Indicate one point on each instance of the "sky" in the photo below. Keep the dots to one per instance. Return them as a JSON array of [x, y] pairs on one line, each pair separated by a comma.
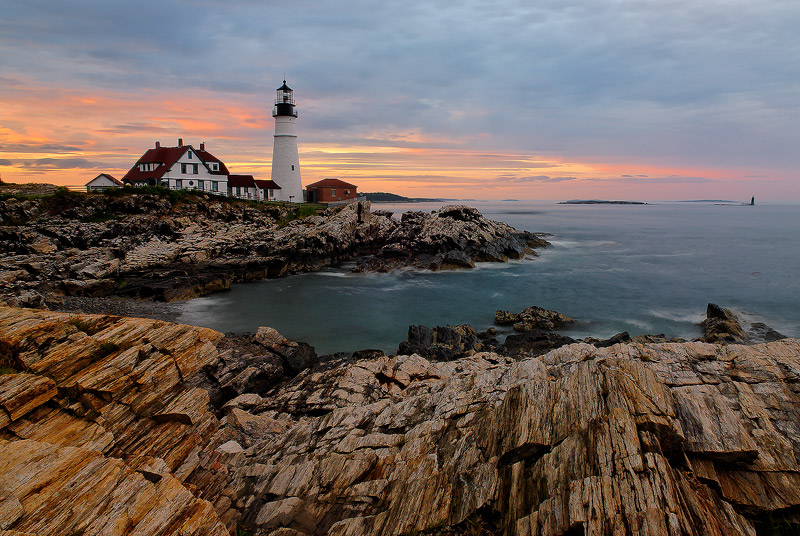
[[534, 99]]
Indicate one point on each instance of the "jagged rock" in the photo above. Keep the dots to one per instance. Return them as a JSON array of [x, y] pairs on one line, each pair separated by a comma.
[[252, 365], [98, 436], [406, 444], [532, 318], [614, 339], [142, 246], [644, 339], [296, 356], [442, 343], [650, 439], [722, 326], [531, 343], [763, 333]]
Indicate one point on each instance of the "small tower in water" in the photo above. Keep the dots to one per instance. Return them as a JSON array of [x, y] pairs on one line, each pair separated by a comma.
[[285, 161]]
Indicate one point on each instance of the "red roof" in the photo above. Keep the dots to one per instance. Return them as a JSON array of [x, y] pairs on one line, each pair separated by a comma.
[[266, 185], [166, 157], [246, 181], [331, 183]]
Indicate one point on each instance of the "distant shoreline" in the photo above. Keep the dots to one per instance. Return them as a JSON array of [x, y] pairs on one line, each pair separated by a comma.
[[385, 197], [600, 202]]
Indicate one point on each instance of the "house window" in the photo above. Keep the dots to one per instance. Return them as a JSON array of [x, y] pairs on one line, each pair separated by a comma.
[[194, 169], [214, 186], [200, 185], [270, 192], [238, 190], [183, 168], [191, 183], [178, 183], [347, 192], [333, 192], [189, 155]]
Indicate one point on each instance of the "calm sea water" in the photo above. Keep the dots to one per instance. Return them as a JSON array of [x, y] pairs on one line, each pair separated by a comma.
[[636, 268]]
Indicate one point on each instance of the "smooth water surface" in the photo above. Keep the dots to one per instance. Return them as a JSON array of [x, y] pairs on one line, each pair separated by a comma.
[[636, 268]]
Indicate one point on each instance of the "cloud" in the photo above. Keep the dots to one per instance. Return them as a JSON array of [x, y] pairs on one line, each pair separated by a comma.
[[534, 178], [672, 179], [38, 148], [134, 128], [63, 163], [584, 80], [5, 162]]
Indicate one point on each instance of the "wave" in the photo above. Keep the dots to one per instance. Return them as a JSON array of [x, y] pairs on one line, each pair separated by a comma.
[[683, 315]]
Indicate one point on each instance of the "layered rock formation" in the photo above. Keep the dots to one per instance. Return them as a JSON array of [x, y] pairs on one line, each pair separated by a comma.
[[103, 432], [146, 246], [98, 432]]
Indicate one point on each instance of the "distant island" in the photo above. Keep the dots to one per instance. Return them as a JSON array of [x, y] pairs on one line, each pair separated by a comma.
[[385, 197], [708, 201], [599, 202]]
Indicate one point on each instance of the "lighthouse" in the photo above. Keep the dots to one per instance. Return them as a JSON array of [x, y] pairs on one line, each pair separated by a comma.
[[285, 162]]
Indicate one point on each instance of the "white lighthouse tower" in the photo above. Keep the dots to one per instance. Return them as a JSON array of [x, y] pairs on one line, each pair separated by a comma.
[[285, 162]]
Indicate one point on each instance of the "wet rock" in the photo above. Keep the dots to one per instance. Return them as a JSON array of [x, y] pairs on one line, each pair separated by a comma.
[[533, 318], [442, 343], [295, 356], [722, 326], [760, 332], [532, 343], [614, 339]]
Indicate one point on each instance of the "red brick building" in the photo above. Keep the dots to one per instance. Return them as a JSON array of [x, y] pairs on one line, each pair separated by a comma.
[[329, 191]]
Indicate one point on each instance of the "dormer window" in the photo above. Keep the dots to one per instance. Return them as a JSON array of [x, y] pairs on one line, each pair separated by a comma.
[[214, 166]]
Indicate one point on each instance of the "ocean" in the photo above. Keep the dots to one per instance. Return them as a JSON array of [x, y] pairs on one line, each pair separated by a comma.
[[644, 269]]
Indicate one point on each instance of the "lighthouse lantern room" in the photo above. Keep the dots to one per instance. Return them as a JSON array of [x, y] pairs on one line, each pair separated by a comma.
[[285, 160]]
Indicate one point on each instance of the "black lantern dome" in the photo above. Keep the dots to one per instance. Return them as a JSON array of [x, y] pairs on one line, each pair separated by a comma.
[[284, 102]]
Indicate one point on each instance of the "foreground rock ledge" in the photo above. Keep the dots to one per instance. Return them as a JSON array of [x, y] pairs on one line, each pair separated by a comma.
[[102, 435]]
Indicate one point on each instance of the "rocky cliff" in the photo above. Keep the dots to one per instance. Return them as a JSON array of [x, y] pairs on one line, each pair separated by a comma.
[[157, 247], [103, 430]]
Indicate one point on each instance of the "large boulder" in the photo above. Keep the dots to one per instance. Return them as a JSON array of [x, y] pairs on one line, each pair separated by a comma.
[[722, 326], [442, 343]]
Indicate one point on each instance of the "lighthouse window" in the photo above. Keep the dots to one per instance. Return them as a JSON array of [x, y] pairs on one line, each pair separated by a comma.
[[292, 167]]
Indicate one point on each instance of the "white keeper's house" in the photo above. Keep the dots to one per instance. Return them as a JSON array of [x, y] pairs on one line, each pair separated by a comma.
[[184, 167], [179, 167]]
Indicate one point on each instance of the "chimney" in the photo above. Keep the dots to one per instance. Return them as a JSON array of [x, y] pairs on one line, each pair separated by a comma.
[[203, 146], [180, 142], [158, 145]]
